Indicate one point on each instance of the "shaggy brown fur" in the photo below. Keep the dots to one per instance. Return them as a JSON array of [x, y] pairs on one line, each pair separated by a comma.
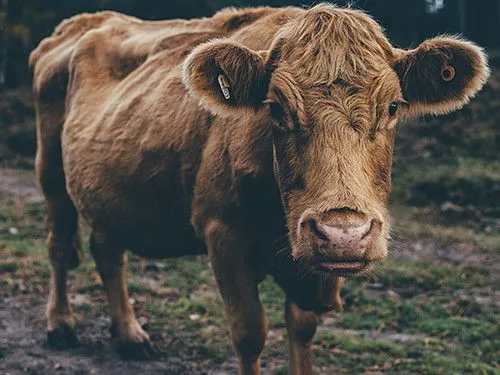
[[136, 136]]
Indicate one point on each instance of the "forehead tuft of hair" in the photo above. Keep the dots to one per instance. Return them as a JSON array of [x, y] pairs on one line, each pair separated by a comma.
[[326, 43]]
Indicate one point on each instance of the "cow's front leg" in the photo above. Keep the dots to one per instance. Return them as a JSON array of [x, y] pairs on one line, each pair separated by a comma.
[[238, 286], [301, 327], [133, 341]]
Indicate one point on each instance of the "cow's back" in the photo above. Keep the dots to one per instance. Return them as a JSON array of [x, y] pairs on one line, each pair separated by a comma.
[[50, 61], [132, 139]]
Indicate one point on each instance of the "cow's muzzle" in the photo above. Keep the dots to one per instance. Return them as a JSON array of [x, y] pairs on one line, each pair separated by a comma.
[[342, 240]]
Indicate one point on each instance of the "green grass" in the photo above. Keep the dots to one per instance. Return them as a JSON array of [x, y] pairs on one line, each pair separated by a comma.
[[414, 223]]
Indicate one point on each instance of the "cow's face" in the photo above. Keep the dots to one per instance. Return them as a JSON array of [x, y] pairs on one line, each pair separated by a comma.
[[332, 88]]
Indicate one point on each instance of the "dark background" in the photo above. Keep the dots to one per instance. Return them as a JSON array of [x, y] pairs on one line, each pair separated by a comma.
[[23, 23]]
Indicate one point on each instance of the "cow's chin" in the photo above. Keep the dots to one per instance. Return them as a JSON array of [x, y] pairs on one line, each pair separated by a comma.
[[343, 267], [327, 263]]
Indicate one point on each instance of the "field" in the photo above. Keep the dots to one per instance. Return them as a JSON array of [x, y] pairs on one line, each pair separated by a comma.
[[432, 308]]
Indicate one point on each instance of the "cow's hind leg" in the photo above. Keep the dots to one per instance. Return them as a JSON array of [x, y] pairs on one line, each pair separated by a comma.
[[301, 326], [63, 240], [133, 341], [64, 247]]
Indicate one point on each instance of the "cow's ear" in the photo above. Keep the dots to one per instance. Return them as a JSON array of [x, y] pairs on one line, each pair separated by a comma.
[[440, 75], [226, 77]]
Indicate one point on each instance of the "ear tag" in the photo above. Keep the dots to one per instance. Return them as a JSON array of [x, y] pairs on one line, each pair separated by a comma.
[[224, 86], [447, 73]]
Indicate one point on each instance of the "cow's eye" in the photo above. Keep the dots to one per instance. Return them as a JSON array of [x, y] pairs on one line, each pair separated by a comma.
[[278, 114], [276, 110], [393, 108], [281, 118]]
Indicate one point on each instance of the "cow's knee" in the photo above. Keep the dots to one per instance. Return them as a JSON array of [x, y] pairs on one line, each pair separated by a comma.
[[249, 336], [108, 260], [64, 243], [301, 325]]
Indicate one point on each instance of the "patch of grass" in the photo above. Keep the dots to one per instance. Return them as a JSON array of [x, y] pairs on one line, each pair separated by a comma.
[[84, 308], [281, 371], [451, 361], [8, 266], [354, 353], [273, 298], [177, 282], [137, 286], [357, 354], [419, 298], [414, 277], [21, 249], [409, 223], [357, 344]]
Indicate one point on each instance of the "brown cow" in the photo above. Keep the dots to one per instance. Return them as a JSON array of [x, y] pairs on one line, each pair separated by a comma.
[[275, 160]]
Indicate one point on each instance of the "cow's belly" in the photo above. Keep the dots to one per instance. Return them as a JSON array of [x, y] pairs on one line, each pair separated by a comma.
[[153, 232], [145, 222], [139, 201]]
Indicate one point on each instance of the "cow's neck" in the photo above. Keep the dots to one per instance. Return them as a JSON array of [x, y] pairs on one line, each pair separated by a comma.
[[251, 153]]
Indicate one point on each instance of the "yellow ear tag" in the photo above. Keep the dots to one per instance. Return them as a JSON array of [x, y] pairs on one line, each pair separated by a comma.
[[224, 86], [447, 73]]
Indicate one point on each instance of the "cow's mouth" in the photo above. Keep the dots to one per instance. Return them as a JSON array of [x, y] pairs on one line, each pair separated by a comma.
[[344, 267]]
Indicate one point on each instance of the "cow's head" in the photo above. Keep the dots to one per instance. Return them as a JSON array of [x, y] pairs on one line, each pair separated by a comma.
[[332, 89]]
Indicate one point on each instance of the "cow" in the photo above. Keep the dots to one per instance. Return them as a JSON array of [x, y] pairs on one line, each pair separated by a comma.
[[262, 137]]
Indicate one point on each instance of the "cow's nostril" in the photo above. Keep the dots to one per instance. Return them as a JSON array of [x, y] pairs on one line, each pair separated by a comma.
[[343, 233], [370, 228], [313, 225]]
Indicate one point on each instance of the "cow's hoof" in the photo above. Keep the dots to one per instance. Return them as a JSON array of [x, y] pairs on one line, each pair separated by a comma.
[[63, 337], [137, 351]]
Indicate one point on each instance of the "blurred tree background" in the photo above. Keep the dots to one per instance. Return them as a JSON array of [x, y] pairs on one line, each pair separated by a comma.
[[23, 23]]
